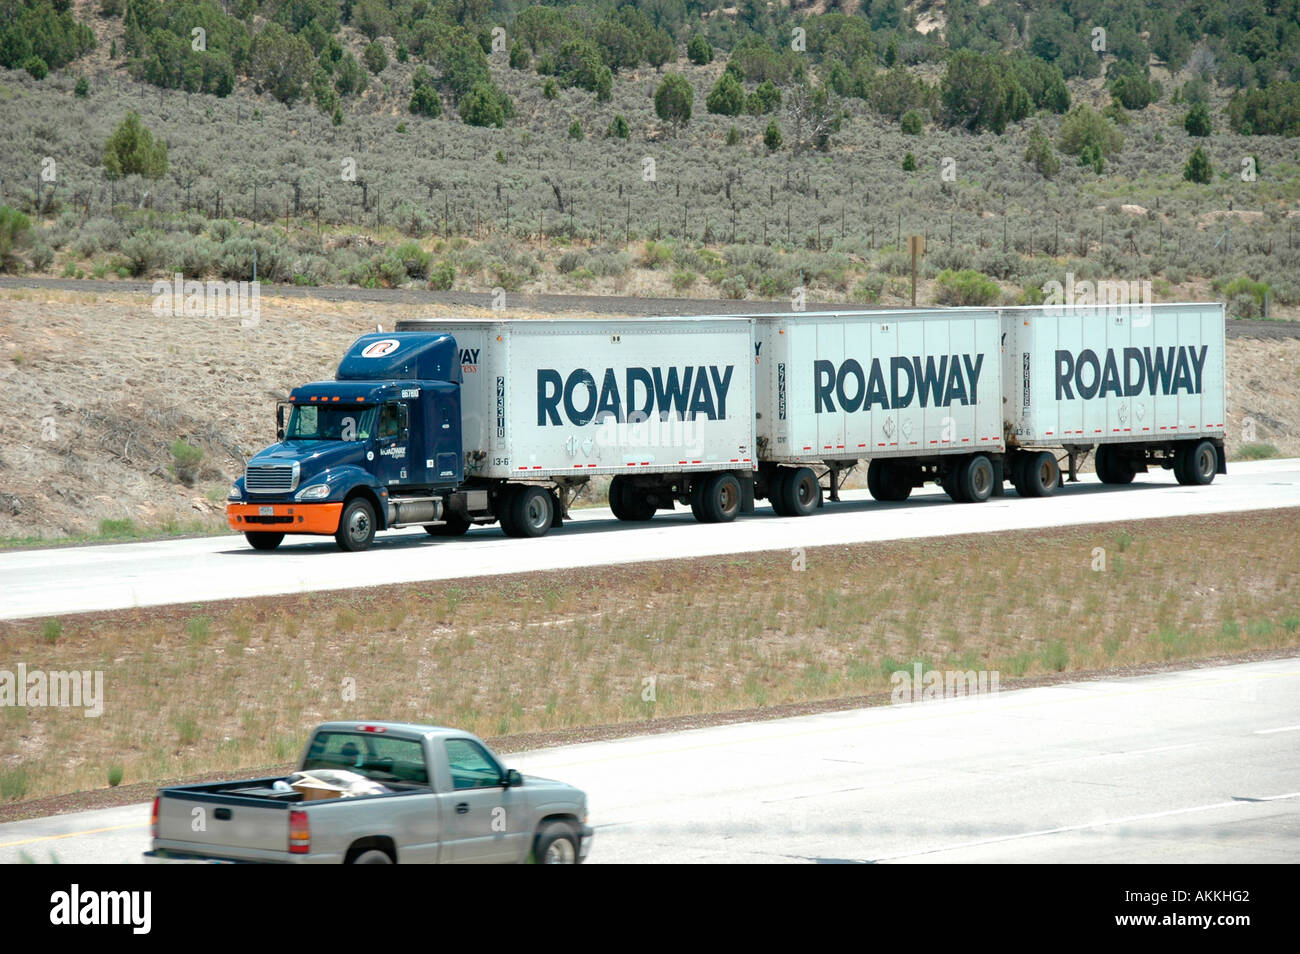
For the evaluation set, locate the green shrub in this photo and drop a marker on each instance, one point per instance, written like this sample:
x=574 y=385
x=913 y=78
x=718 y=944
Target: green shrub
x=15 y=234
x=699 y=50
x=909 y=163
x=185 y=460
x=575 y=131
x=772 y=136
x=912 y=122
x=82 y=89
x=1198 y=168
x=683 y=280
x=117 y=528
x=1257 y=451
x=965 y=287
x=51 y=630
x=617 y=128
x=443 y=275
x=37 y=67
x=115 y=773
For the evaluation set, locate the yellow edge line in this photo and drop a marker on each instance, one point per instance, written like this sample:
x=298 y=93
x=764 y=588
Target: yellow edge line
x=71 y=834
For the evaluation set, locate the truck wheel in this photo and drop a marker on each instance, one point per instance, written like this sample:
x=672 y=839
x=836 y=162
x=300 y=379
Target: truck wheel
x=716 y=499
x=1198 y=465
x=890 y=483
x=454 y=526
x=533 y=512
x=1112 y=468
x=557 y=844
x=261 y=540
x=372 y=857
x=799 y=492
x=505 y=509
x=950 y=481
x=1039 y=475
x=356 y=526
x=628 y=503
x=975 y=478
x=775 y=488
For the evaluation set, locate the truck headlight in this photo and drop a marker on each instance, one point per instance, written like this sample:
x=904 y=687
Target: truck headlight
x=234 y=493
x=314 y=492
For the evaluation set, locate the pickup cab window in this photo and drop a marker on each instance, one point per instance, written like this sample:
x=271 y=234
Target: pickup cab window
x=471 y=765
x=377 y=757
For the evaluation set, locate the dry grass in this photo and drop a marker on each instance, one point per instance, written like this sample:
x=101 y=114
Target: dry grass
x=223 y=686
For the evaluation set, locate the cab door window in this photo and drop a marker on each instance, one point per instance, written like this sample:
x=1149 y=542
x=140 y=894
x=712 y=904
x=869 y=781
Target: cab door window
x=392 y=422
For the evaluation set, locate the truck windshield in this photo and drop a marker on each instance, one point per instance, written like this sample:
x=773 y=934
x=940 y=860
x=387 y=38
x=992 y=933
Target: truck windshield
x=314 y=422
x=381 y=758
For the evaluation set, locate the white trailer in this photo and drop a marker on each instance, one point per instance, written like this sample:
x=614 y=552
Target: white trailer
x=917 y=392
x=665 y=406
x=1144 y=384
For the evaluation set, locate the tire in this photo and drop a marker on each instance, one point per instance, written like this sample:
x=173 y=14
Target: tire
x=261 y=540
x=1111 y=467
x=1039 y=475
x=357 y=526
x=975 y=479
x=372 y=857
x=888 y=481
x=716 y=499
x=533 y=511
x=773 y=487
x=1199 y=465
x=628 y=503
x=951 y=483
x=454 y=525
x=800 y=492
x=505 y=509
x=1015 y=471
x=557 y=844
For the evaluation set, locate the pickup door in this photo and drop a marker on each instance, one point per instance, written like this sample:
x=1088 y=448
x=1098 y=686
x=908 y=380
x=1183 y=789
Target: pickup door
x=485 y=822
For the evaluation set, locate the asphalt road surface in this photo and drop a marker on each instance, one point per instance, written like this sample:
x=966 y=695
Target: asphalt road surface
x=1198 y=766
x=81 y=579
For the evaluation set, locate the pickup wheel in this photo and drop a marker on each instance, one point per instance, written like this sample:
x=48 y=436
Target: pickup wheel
x=261 y=540
x=356 y=526
x=534 y=511
x=557 y=844
x=372 y=857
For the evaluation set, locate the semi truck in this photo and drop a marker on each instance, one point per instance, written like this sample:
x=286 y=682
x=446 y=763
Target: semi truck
x=447 y=424
x=377 y=793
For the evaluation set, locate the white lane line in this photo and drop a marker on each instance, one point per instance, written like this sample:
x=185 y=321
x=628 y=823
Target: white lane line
x=1285 y=728
x=1235 y=803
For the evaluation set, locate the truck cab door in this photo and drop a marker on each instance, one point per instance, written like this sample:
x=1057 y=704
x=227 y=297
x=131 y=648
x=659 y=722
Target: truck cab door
x=393 y=444
x=444 y=459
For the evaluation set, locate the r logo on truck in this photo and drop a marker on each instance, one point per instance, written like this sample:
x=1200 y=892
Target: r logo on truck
x=378 y=349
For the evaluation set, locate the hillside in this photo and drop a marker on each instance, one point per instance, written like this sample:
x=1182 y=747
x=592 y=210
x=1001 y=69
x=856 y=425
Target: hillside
x=330 y=187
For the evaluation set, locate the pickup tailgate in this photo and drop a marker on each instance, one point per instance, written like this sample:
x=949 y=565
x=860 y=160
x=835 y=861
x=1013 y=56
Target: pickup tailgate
x=223 y=825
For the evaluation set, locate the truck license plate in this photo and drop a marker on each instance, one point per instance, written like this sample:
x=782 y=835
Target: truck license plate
x=266 y=511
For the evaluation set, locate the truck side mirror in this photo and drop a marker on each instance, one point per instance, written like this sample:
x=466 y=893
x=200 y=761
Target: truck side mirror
x=279 y=422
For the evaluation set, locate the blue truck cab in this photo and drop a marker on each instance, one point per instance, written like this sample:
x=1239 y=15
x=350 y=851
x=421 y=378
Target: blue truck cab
x=378 y=447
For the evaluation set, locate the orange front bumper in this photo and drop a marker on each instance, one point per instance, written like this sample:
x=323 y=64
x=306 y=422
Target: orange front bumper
x=284 y=518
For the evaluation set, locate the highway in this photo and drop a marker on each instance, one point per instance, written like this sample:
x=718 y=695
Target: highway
x=1200 y=766
x=65 y=580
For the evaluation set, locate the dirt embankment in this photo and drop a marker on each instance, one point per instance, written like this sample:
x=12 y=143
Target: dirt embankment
x=99 y=389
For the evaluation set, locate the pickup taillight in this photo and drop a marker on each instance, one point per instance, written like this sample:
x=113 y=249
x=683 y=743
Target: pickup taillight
x=299 y=833
x=153 y=818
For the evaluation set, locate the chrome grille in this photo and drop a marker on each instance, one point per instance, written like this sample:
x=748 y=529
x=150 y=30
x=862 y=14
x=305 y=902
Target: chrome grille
x=271 y=478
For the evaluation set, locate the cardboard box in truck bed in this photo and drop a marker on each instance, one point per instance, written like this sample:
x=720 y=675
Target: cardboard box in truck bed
x=558 y=398
x=1113 y=373
x=881 y=384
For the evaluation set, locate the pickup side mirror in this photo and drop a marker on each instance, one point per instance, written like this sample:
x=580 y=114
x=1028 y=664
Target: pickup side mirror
x=513 y=779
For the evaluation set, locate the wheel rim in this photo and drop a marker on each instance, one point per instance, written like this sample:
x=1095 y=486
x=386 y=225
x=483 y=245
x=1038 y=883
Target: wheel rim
x=1206 y=462
x=807 y=492
x=359 y=525
x=535 y=513
x=559 y=852
x=1047 y=472
x=727 y=498
x=981 y=478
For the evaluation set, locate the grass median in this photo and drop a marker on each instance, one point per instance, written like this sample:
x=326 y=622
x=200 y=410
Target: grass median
x=217 y=687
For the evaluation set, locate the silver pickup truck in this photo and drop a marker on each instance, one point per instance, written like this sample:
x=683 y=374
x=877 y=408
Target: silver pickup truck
x=432 y=795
